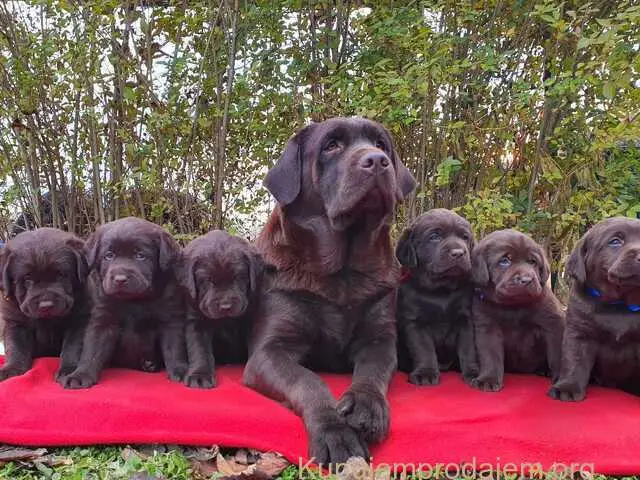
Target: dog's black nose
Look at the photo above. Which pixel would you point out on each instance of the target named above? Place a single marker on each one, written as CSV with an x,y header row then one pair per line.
x,y
524,279
119,279
374,160
45,305
456,252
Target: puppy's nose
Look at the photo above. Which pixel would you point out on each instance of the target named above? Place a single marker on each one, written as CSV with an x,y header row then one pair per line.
x,y
119,279
373,160
456,252
524,279
45,305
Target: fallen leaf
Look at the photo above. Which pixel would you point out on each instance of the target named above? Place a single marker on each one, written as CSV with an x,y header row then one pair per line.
x,y
202,454
272,464
10,454
356,468
230,467
206,469
242,456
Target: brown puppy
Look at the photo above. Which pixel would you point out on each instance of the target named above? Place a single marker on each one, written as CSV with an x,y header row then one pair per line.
x,y
137,307
328,303
221,275
518,321
45,308
434,304
602,338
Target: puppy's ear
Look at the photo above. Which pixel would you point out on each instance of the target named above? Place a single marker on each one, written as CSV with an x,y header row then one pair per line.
x,y
169,252
284,180
405,251
5,278
406,181
92,248
256,269
544,270
575,266
82,267
479,267
185,275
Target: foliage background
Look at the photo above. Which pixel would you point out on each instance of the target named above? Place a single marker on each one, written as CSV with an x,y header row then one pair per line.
x,y
517,113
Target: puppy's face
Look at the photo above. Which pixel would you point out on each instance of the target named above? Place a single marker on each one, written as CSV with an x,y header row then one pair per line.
x,y
220,274
130,256
607,258
344,168
510,268
42,271
437,247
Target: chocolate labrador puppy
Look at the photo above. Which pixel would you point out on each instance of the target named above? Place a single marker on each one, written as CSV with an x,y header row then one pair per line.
x,y
434,303
517,319
137,317
45,308
221,274
328,302
602,337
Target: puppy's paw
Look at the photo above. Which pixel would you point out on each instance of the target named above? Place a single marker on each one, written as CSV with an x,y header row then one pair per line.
x,y
487,384
200,380
63,373
366,410
424,376
177,373
333,442
8,372
469,377
566,393
78,379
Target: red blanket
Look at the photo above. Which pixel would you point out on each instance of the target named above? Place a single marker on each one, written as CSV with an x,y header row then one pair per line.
x,y
450,423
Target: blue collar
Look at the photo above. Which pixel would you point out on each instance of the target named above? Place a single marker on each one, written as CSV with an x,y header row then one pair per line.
x,y
592,292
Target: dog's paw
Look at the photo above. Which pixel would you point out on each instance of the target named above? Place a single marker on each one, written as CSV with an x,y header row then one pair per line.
x,y
334,442
177,373
424,376
63,373
487,384
200,380
8,372
566,393
367,412
77,380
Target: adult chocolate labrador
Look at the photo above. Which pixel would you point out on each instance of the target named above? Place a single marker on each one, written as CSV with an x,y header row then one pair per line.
x,y
328,302
602,338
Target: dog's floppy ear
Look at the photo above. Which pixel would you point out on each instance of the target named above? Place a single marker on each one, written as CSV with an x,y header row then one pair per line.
x,y
544,270
284,180
5,278
404,178
405,251
82,267
256,269
185,275
479,267
92,247
169,252
575,266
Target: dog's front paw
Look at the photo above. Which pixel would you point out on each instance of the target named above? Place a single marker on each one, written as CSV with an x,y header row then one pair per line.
x,y
367,411
63,373
566,392
9,371
487,384
333,442
177,373
424,376
79,379
200,380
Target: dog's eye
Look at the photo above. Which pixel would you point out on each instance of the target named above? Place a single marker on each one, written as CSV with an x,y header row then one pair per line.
x,y
331,146
532,261
435,237
139,256
465,237
28,282
109,255
504,261
381,145
616,242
